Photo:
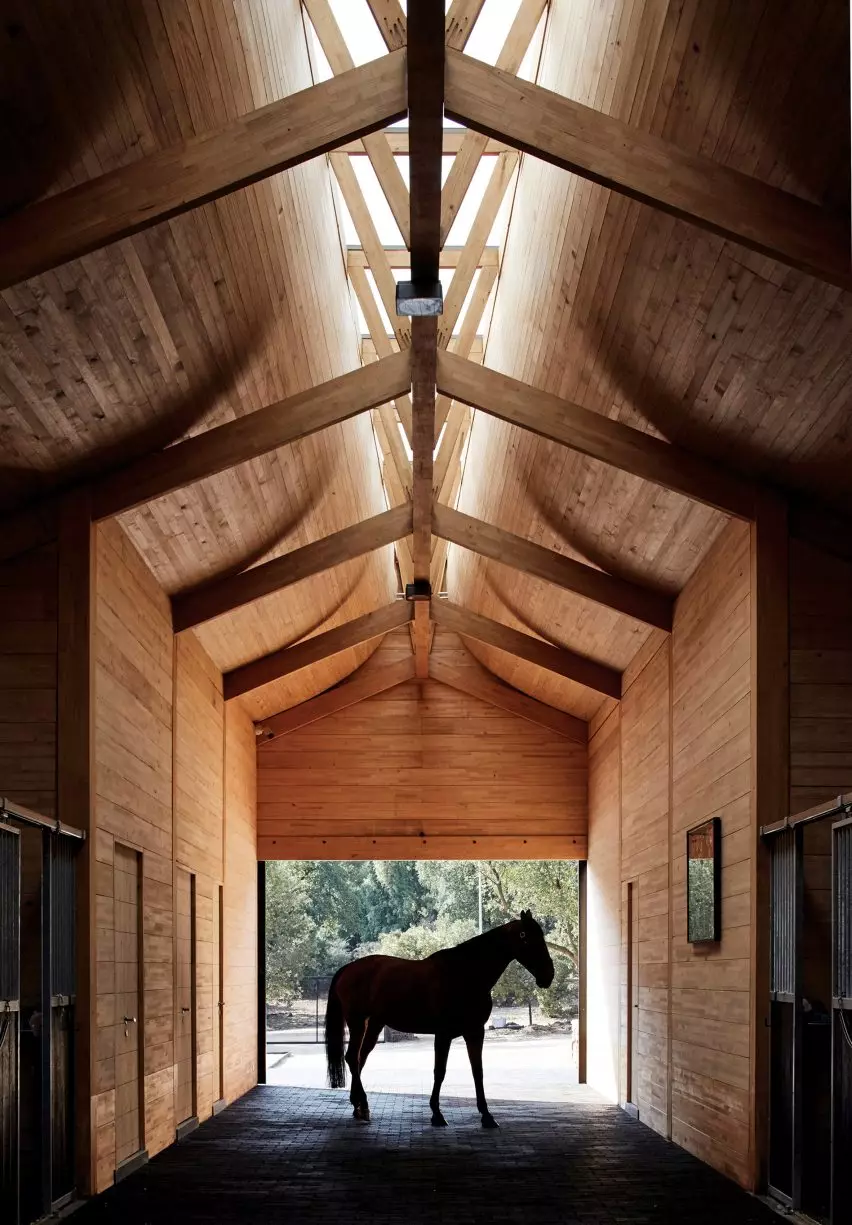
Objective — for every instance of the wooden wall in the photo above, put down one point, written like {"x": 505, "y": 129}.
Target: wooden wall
{"x": 685, "y": 754}
{"x": 820, "y": 677}
{"x": 28, "y": 680}
{"x": 422, "y": 770}
{"x": 160, "y": 752}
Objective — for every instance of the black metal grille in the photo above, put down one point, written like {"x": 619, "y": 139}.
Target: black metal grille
{"x": 62, "y": 907}
{"x": 10, "y": 913}
{"x": 842, "y": 870}
{"x": 782, "y": 848}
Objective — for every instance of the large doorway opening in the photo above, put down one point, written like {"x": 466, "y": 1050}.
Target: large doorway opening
{"x": 321, "y": 915}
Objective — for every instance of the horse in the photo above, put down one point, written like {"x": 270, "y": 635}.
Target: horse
{"x": 447, "y": 994}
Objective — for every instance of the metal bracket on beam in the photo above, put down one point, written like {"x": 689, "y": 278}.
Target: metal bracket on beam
{"x": 419, "y": 298}
{"x": 420, "y": 589}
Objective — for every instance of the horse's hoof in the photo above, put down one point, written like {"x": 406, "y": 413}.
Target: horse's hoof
{"x": 438, "y": 1120}
{"x": 490, "y": 1122}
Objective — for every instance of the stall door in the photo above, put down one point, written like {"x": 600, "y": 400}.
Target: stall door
{"x": 841, "y": 1193}
{"x": 185, "y": 1034}
{"x": 128, "y": 1080}
{"x": 60, "y": 985}
{"x": 785, "y": 1013}
{"x": 10, "y": 922}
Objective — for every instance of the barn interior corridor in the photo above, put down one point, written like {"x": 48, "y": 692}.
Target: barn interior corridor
{"x": 296, "y": 1155}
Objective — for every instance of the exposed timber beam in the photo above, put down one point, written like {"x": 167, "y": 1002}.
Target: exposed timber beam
{"x": 383, "y": 346}
{"x": 399, "y": 257}
{"x": 473, "y": 679}
{"x": 276, "y": 664}
{"x": 426, "y": 50}
{"x": 474, "y": 144}
{"x": 397, "y": 138}
{"x": 593, "y": 434}
{"x": 555, "y": 659}
{"x": 461, "y": 19}
{"x": 254, "y": 434}
{"x": 276, "y": 840}
{"x": 390, "y": 19}
{"x": 648, "y": 168}
{"x": 365, "y": 683}
{"x": 463, "y": 345}
{"x": 629, "y": 598}
{"x": 210, "y": 600}
{"x": 165, "y": 184}
{"x": 375, "y": 144}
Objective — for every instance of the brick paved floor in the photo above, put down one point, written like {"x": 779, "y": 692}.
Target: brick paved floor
{"x": 296, "y": 1156}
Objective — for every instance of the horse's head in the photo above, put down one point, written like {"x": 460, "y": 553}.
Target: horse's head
{"x": 531, "y": 950}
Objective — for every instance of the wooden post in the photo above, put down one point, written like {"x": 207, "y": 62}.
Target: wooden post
{"x": 76, "y": 789}
{"x": 770, "y": 746}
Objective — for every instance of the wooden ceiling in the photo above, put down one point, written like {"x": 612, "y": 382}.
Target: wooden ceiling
{"x": 650, "y": 321}
{"x": 242, "y": 302}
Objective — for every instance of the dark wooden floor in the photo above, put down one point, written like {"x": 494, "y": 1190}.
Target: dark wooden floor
{"x": 294, "y": 1155}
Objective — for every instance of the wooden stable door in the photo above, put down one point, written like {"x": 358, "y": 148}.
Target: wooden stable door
{"x": 129, "y": 1135}
{"x": 185, "y": 999}
{"x": 628, "y": 1088}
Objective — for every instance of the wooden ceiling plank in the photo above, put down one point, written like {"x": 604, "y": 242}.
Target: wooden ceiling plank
{"x": 390, "y": 19}
{"x": 365, "y": 228}
{"x": 470, "y": 259}
{"x": 276, "y": 664}
{"x": 355, "y": 689}
{"x": 476, "y": 681}
{"x": 214, "y": 599}
{"x": 173, "y": 181}
{"x": 625, "y": 597}
{"x": 555, "y": 659}
{"x": 474, "y": 144}
{"x": 593, "y": 434}
{"x": 400, "y": 257}
{"x": 375, "y": 145}
{"x": 251, "y": 435}
{"x": 648, "y": 168}
{"x": 384, "y": 347}
{"x": 425, "y": 118}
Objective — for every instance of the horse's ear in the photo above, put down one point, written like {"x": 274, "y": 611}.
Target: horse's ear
{"x": 526, "y": 914}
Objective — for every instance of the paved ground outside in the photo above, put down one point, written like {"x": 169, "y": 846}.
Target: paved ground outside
{"x": 295, "y": 1155}
{"x": 516, "y": 1068}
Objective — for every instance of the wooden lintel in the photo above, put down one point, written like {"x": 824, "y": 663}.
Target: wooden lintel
{"x": 254, "y": 434}
{"x": 648, "y": 168}
{"x": 211, "y": 600}
{"x": 172, "y": 181}
{"x": 477, "y": 682}
{"x": 284, "y": 845}
{"x": 514, "y": 642}
{"x": 629, "y": 598}
{"x": 592, "y": 434}
{"x": 276, "y": 664}
{"x": 355, "y": 689}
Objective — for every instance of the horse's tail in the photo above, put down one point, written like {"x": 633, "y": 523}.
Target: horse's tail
{"x": 334, "y": 1037}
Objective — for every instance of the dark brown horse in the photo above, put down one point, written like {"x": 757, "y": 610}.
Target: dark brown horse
{"x": 447, "y": 994}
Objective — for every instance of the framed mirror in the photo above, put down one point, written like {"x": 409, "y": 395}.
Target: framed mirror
{"x": 704, "y": 882}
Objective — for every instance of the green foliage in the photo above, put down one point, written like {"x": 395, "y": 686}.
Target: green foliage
{"x": 321, "y": 915}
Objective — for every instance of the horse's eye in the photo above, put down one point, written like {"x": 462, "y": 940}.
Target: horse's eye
{"x": 523, "y": 935}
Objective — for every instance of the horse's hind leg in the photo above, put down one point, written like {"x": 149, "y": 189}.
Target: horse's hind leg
{"x": 357, "y": 1096}
{"x": 371, "y": 1037}
{"x": 473, "y": 1041}
{"x": 442, "y": 1050}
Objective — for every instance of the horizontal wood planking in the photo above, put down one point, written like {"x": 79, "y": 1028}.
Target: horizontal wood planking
{"x": 252, "y": 435}
{"x": 320, "y": 646}
{"x": 165, "y": 184}
{"x": 213, "y": 599}
{"x": 555, "y": 659}
{"x": 28, "y": 679}
{"x": 419, "y": 761}
{"x": 629, "y": 598}
{"x": 648, "y": 168}
{"x": 588, "y": 432}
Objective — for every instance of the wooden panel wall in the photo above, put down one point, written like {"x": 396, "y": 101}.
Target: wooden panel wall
{"x": 160, "y": 752}
{"x": 685, "y": 754}
{"x": 820, "y": 677}
{"x": 603, "y": 899}
{"x": 28, "y": 679}
{"x": 428, "y": 768}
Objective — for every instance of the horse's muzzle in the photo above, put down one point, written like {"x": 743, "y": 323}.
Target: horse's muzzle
{"x": 546, "y": 979}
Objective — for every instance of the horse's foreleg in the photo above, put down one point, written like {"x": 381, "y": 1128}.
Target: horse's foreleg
{"x": 473, "y": 1041}
{"x": 357, "y": 1096}
{"x": 442, "y": 1050}
{"x": 371, "y": 1037}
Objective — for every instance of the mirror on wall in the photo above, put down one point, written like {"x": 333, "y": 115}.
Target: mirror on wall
{"x": 703, "y": 882}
